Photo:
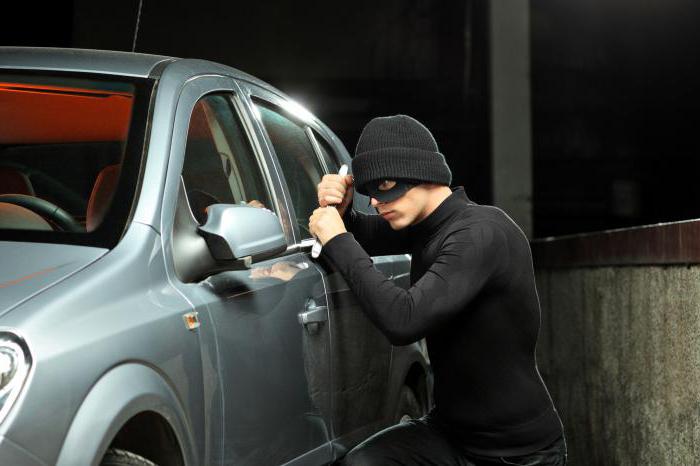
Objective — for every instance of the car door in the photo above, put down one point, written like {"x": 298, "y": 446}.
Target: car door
{"x": 264, "y": 401}
{"x": 360, "y": 354}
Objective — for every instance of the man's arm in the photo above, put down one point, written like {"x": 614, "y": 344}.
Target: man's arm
{"x": 469, "y": 257}
{"x": 375, "y": 234}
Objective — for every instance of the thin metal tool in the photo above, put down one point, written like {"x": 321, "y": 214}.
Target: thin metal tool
{"x": 316, "y": 248}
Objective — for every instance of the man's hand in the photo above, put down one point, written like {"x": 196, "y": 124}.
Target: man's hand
{"x": 256, "y": 203}
{"x": 335, "y": 189}
{"x": 325, "y": 223}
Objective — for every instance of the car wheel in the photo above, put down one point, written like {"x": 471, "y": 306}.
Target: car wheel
{"x": 117, "y": 457}
{"x": 408, "y": 406}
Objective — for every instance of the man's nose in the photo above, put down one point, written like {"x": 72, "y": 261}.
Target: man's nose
{"x": 373, "y": 202}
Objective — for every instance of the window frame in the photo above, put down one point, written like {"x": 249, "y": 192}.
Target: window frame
{"x": 239, "y": 111}
{"x": 254, "y": 93}
{"x": 193, "y": 91}
{"x": 315, "y": 136}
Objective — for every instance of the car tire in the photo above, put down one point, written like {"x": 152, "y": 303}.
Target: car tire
{"x": 117, "y": 457}
{"x": 408, "y": 406}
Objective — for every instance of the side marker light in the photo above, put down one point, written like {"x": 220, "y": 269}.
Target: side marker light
{"x": 191, "y": 320}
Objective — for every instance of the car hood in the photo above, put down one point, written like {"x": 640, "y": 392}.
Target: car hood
{"x": 27, "y": 269}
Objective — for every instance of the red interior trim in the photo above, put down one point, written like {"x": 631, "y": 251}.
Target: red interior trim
{"x": 33, "y": 113}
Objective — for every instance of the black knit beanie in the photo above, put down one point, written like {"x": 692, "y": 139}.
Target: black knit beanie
{"x": 398, "y": 147}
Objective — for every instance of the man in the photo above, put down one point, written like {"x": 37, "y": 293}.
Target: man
{"x": 472, "y": 297}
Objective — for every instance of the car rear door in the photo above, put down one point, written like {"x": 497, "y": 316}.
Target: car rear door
{"x": 265, "y": 399}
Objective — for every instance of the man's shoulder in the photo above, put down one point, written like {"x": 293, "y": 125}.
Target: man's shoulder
{"x": 475, "y": 214}
{"x": 487, "y": 219}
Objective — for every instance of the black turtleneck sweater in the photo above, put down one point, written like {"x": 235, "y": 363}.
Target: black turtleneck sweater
{"x": 473, "y": 298}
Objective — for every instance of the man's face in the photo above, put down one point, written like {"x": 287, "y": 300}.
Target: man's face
{"x": 406, "y": 210}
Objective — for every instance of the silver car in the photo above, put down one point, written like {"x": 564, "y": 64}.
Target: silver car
{"x": 158, "y": 298}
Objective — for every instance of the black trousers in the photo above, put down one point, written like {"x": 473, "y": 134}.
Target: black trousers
{"x": 417, "y": 442}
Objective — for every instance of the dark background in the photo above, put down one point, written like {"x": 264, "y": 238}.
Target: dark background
{"x": 614, "y": 84}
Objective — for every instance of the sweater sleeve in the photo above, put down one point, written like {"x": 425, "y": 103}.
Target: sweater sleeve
{"x": 375, "y": 234}
{"x": 468, "y": 258}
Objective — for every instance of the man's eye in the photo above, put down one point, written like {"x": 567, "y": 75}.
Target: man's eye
{"x": 387, "y": 185}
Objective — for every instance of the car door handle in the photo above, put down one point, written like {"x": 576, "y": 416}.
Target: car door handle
{"x": 313, "y": 314}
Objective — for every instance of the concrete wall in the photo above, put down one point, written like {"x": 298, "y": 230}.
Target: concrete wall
{"x": 511, "y": 132}
{"x": 620, "y": 352}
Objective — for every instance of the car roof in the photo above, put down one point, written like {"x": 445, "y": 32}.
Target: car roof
{"x": 80, "y": 60}
{"x": 111, "y": 62}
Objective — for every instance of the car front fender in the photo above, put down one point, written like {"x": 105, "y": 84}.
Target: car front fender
{"x": 120, "y": 394}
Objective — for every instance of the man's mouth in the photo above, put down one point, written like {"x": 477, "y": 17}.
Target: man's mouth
{"x": 387, "y": 214}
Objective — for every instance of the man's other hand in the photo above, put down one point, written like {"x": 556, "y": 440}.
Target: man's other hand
{"x": 325, "y": 223}
{"x": 335, "y": 190}
{"x": 256, "y": 203}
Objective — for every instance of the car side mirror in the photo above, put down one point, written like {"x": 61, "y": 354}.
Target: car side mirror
{"x": 236, "y": 232}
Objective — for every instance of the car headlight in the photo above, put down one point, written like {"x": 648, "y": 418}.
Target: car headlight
{"x": 15, "y": 363}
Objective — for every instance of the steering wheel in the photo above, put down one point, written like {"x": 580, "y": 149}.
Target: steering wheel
{"x": 46, "y": 209}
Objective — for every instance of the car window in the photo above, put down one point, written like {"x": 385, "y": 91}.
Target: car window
{"x": 69, "y": 155}
{"x": 300, "y": 165}
{"x": 220, "y": 166}
{"x": 327, "y": 153}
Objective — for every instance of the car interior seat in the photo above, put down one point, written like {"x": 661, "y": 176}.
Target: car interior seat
{"x": 101, "y": 196}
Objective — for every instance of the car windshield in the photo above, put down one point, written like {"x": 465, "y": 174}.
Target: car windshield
{"x": 66, "y": 150}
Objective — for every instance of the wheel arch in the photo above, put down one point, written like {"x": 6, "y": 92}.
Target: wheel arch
{"x": 148, "y": 434}
{"x": 124, "y": 394}
{"x": 410, "y": 367}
